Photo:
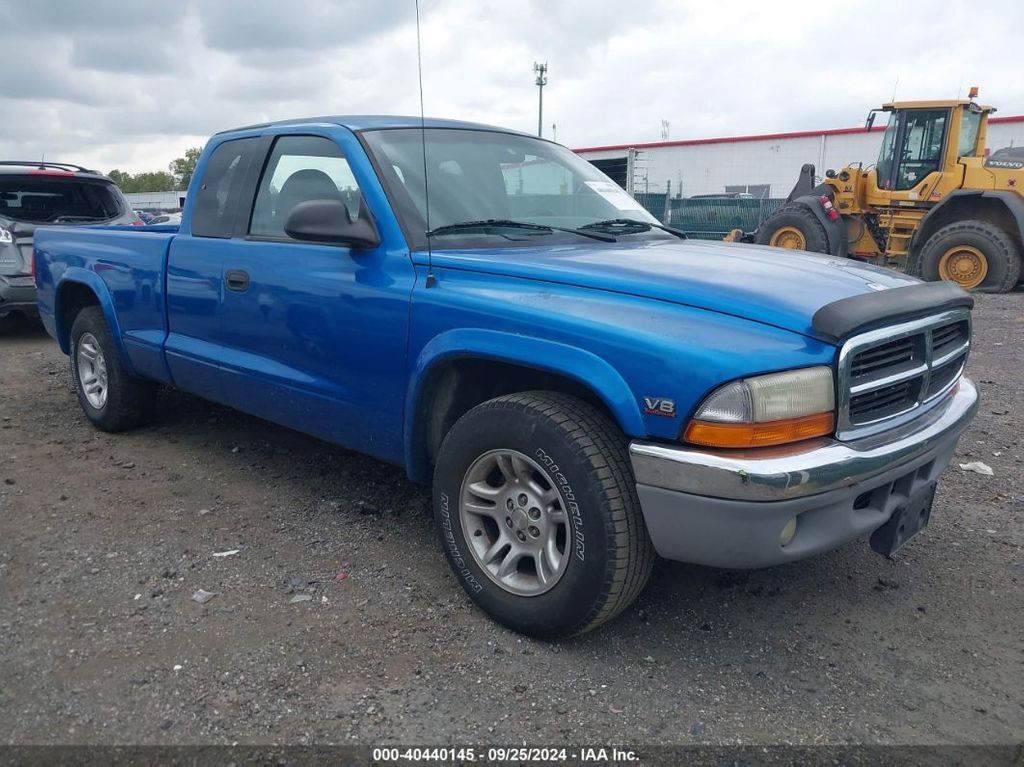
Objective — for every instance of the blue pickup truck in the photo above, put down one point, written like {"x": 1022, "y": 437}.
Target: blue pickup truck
{"x": 583, "y": 387}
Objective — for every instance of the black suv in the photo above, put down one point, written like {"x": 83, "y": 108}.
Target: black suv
{"x": 47, "y": 194}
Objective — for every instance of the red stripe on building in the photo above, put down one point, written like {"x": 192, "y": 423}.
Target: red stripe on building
{"x": 760, "y": 137}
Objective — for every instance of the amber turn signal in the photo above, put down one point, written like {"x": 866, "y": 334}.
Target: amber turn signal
{"x": 759, "y": 434}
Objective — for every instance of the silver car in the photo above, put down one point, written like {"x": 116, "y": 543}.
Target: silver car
{"x": 36, "y": 194}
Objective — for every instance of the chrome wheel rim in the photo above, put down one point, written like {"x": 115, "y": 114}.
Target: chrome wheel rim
{"x": 515, "y": 522}
{"x": 92, "y": 370}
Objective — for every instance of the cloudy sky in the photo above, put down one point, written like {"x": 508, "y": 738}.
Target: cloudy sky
{"x": 131, "y": 85}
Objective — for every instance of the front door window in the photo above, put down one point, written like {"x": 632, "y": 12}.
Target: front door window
{"x": 300, "y": 169}
{"x": 912, "y": 148}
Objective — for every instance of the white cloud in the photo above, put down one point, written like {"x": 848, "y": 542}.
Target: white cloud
{"x": 116, "y": 86}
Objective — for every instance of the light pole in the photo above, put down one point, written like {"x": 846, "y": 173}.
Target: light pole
{"x": 541, "y": 70}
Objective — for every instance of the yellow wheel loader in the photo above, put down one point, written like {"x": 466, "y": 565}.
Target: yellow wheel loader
{"x": 933, "y": 204}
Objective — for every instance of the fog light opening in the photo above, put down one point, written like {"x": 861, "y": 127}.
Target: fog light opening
{"x": 788, "y": 533}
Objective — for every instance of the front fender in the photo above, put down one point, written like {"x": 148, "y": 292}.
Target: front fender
{"x": 77, "y": 275}
{"x": 553, "y": 357}
{"x": 834, "y": 230}
{"x": 936, "y": 217}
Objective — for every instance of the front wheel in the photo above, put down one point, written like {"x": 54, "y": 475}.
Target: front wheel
{"x": 112, "y": 398}
{"x": 794, "y": 227}
{"x": 537, "y": 511}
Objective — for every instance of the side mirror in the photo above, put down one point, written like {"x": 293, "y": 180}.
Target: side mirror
{"x": 329, "y": 221}
{"x": 870, "y": 121}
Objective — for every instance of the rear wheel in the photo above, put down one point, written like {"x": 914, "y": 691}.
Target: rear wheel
{"x": 112, "y": 398}
{"x": 794, "y": 227}
{"x": 537, "y": 511}
{"x": 974, "y": 254}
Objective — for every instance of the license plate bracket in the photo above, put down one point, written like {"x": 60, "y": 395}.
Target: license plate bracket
{"x": 906, "y": 521}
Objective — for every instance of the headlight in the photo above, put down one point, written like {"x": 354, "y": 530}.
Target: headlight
{"x": 766, "y": 410}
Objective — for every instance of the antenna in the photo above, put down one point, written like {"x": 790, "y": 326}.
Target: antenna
{"x": 895, "y": 85}
{"x": 541, "y": 70}
{"x": 431, "y": 279}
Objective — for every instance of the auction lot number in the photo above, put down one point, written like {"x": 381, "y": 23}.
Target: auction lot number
{"x": 501, "y": 754}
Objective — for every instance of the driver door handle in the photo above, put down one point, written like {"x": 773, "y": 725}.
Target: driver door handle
{"x": 237, "y": 280}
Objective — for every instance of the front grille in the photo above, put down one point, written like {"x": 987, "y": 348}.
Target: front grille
{"x": 883, "y": 402}
{"x": 944, "y": 375}
{"x": 949, "y": 338}
{"x": 885, "y": 356}
{"x": 887, "y": 375}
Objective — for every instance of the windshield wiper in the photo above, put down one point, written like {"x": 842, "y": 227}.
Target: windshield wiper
{"x": 623, "y": 225}
{"x": 503, "y": 223}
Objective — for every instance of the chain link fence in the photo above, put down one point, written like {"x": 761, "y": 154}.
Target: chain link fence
{"x": 709, "y": 218}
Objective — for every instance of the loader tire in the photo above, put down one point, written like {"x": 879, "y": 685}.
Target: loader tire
{"x": 794, "y": 227}
{"x": 975, "y": 255}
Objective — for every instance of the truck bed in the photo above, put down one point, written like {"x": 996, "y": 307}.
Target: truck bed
{"x": 126, "y": 267}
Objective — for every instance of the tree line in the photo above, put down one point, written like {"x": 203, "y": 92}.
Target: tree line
{"x": 177, "y": 176}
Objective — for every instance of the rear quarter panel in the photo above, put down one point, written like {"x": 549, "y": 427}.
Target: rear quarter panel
{"x": 124, "y": 267}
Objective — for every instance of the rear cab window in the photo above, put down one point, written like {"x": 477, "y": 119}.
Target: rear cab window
{"x": 217, "y": 200}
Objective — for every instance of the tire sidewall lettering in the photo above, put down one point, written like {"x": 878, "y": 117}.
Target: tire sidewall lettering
{"x": 569, "y": 497}
{"x": 448, "y": 534}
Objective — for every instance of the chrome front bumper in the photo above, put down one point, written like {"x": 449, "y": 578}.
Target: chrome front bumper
{"x": 766, "y": 475}
{"x": 728, "y": 508}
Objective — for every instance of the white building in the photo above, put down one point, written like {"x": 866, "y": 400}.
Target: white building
{"x": 764, "y": 166}
{"x": 156, "y": 201}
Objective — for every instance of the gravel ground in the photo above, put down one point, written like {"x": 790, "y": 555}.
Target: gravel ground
{"x": 104, "y": 539}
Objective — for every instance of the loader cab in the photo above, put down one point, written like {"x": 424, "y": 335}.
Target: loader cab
{"x": 911, "y": 148}
{"x": 918, "y": 161}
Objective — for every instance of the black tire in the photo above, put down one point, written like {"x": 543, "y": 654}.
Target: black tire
{"x": 609, "y": 552}
{"x": 799, "y": 217}
{"x": 130, "y": 401}
{"x": 1001, "y": 253}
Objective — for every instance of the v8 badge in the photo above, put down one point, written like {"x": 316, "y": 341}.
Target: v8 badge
{"x": 660, "y": 406}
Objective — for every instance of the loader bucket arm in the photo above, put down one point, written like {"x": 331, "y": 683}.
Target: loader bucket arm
{"x": 804, "y": 184}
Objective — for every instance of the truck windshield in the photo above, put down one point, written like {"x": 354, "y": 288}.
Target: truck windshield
{"x": 479, "y": 175}
{"x": 39, "y": 199}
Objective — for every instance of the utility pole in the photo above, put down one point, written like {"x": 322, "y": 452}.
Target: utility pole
{"x": 541, "y": 70}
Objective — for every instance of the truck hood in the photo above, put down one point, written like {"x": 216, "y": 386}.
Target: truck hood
{"x": 783, "y": 288}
